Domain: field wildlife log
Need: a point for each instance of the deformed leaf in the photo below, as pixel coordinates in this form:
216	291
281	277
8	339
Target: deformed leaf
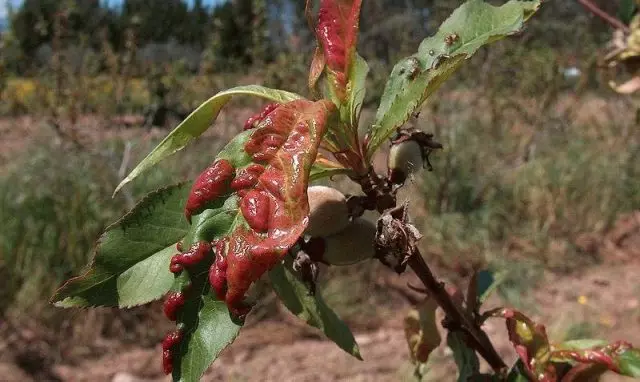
337	33
415	78
312	309
133	252
531	343
620	357
272	195
421	330
199	121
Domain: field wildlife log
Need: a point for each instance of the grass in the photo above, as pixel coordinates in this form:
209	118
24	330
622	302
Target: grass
527	189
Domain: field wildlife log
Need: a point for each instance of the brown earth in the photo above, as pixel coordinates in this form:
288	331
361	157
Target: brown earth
606	297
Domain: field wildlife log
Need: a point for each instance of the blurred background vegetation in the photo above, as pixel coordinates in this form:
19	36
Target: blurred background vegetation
541	158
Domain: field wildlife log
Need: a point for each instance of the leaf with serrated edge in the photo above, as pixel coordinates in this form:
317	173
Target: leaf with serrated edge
311	309
134	248
296	128
416	77
199	121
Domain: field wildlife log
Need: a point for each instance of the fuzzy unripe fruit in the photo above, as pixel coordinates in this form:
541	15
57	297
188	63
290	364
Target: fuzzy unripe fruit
328	212
352	245
405	158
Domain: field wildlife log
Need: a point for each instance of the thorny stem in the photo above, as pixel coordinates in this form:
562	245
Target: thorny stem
456	315
591	7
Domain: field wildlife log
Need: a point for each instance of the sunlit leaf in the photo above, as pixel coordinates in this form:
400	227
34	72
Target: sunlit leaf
416	77
199	121
312	309
134	251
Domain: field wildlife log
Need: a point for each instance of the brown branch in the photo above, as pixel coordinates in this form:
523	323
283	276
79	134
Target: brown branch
477	338
591	7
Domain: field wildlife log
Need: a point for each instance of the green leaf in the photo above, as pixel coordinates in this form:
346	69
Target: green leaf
416	77
323	168
312	309
199	121
581	344
629	363
207	325
357	88
626	10
465	358
134	251
215	331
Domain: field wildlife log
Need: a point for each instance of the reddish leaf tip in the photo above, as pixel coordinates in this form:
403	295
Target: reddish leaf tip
209	185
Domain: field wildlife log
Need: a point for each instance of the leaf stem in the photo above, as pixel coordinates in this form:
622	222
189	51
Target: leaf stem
458	317
593	8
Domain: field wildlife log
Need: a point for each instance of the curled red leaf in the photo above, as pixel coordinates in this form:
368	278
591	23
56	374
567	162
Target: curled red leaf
172	303
273	199
337	32
196	253
212	183
170	341
255	119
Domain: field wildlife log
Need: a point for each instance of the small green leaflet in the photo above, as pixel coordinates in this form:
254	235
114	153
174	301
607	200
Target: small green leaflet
132	252
199	121
465	358
416	77
215	331
311	309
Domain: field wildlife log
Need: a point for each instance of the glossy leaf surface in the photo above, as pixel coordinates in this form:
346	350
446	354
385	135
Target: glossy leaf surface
199	121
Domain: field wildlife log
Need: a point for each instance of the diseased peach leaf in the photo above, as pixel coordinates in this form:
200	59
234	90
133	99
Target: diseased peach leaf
337	33
271	162
199	121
